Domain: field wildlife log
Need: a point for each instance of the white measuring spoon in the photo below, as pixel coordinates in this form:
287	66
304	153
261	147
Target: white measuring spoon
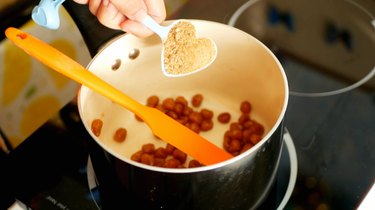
162	32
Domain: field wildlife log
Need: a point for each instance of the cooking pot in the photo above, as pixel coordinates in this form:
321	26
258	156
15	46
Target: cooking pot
243	70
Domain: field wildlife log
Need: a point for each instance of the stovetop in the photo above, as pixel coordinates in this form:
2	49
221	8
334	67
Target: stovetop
333	136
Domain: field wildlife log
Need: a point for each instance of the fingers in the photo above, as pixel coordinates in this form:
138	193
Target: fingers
133	9
94	5
155	8
127	14
109	16
137	9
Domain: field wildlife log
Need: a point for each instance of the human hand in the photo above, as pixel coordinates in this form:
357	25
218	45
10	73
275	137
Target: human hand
127	14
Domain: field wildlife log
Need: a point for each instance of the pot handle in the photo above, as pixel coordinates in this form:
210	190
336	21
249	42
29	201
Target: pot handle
93	32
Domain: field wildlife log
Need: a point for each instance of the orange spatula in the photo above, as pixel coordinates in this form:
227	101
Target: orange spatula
161	125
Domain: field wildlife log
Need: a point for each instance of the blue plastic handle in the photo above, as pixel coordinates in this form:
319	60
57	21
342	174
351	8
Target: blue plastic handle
46	13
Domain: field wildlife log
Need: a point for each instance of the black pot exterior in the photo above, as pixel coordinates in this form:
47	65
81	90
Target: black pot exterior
239	185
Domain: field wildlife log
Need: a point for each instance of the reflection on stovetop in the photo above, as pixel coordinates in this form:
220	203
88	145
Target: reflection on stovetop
334	138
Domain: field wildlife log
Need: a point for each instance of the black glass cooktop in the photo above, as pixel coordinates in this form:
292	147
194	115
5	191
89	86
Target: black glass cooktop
333	139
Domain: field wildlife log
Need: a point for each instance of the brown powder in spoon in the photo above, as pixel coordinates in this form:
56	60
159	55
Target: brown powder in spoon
183	52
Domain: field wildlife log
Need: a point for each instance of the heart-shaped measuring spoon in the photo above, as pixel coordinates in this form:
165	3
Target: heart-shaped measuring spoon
183	53
161	125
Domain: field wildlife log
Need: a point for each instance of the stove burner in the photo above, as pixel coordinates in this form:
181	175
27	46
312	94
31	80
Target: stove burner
293	168
92	183
290	165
